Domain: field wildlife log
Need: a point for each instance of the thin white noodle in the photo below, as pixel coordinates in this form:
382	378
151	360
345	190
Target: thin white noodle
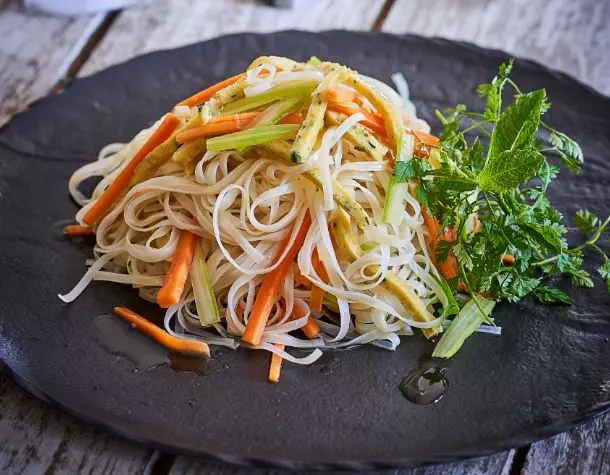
243	208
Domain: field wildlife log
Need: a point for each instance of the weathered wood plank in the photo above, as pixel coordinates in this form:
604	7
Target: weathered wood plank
585	449
498	464
36	438
173	23
36	50
573	37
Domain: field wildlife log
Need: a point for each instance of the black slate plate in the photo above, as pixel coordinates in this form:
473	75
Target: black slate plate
549	370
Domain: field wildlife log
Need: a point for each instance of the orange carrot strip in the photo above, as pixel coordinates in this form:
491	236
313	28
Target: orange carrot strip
270	287
317	294
423	137
372	121
311	328
78	230
113	192
339	94
300	280
448	268
276	365
295	117
178	272
207	93
218	126
161	336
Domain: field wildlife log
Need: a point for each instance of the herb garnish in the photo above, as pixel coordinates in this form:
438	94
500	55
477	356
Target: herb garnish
502	175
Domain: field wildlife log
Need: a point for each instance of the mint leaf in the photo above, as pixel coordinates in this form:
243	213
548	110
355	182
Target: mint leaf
548	295
517	125
585	221
507	170
567	149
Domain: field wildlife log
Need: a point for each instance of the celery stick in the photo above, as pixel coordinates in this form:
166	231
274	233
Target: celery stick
294	89
205	300
314	61
467	321
273	114
249	137
394	206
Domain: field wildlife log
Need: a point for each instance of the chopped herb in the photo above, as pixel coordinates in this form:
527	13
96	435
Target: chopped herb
499	164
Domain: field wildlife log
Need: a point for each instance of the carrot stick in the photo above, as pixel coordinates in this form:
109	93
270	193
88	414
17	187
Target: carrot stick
295	117
161	336
339	94
300	280
276	365
178	272
78	230
120	183
372	121
311	328
448	268
317	294
207	93
270	287
218	126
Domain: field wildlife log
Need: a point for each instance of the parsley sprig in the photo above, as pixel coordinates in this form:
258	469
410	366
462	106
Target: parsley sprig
498	164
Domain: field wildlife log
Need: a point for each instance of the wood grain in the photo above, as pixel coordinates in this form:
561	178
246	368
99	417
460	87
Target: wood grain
172	23
36	438
498	464
36	50
585	449
573	37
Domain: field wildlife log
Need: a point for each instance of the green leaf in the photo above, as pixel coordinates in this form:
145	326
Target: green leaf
604	270
517	125
548	295
585	221
569	151
509	169
404	171
520	286
568	262
580	278
493	90
462	256
545	235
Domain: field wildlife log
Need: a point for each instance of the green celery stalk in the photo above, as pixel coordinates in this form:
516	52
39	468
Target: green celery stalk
205	300
467	321
249	137
394	206
288	90
273	114
314	61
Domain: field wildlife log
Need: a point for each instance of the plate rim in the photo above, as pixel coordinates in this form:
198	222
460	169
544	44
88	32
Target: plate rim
493	447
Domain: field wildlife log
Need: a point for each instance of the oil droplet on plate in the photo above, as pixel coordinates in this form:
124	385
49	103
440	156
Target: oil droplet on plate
425	385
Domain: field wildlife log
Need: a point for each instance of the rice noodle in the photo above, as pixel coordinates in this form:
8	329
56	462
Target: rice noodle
243	207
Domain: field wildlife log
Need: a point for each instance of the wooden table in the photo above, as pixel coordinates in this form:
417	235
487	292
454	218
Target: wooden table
39	54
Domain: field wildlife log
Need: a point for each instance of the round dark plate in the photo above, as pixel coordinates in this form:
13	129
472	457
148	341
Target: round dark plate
548	370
